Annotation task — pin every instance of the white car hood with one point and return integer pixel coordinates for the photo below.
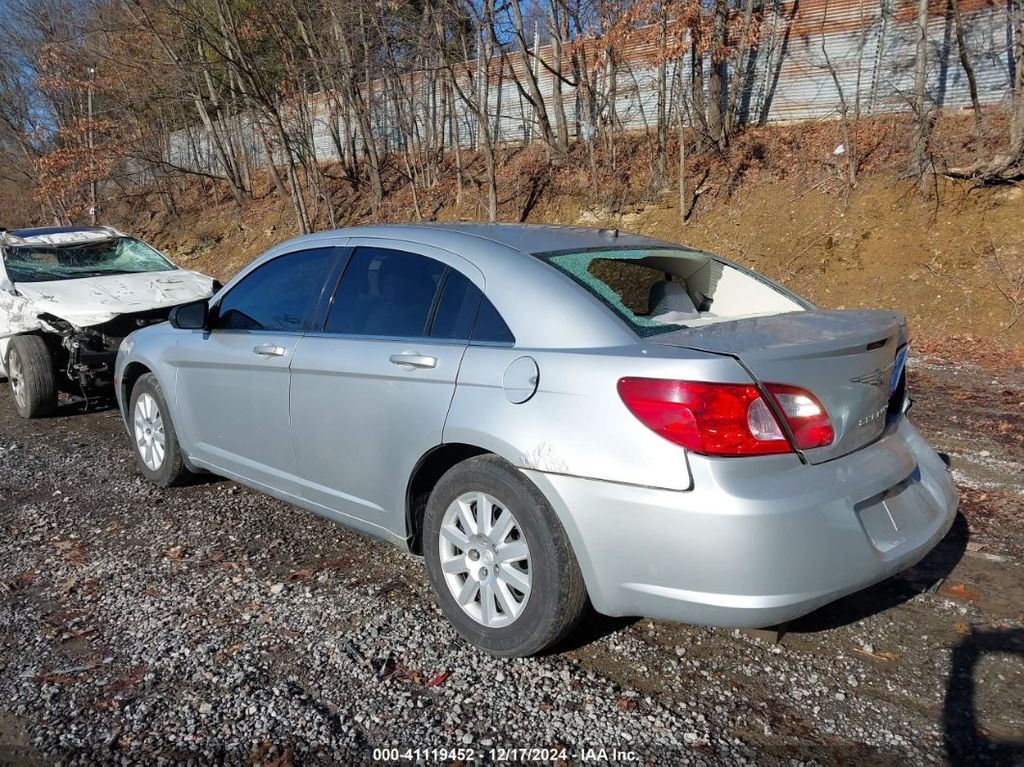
(94, 300)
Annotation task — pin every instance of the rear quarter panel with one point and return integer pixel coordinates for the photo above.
(575, 423)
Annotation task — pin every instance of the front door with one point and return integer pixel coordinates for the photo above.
(233, 381)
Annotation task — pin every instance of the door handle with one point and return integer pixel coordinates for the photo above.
(414, 359)
(269, 350)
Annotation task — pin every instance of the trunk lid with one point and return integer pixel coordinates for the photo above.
(852, 361)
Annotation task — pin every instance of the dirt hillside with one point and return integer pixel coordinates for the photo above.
(952, 259)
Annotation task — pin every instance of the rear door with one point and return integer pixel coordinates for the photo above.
(852, 361)
(371, 390)
(233, 380)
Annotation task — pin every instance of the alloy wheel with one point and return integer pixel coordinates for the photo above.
(149, 431)
(17, 377)
(485, 559)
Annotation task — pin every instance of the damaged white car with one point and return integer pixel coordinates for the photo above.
(68, 296)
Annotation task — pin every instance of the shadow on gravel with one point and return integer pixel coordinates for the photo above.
(201, 478)
(966, 741)
(593, 627)
(79, 406)
(893, 591)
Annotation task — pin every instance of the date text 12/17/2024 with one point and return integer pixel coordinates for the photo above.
(504, 754)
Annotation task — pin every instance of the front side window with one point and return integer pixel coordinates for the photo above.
(279, 296)
(45, 263)
(387, 293)
(658, 290)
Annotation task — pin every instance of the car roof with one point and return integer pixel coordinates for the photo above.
(525, 238)
(44, 231)
(559, 313)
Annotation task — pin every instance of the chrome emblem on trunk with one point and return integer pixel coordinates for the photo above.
(871, 418)
(877, 377)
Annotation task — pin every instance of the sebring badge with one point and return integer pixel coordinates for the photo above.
(872, 417)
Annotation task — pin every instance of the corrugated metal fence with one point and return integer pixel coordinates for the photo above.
(870, 45)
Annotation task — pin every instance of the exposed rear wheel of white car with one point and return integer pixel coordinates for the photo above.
(155, 444)
(31, 376)
(499, 561)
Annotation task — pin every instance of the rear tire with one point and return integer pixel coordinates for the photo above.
(510, 585)
(32, 377)
(154, 441)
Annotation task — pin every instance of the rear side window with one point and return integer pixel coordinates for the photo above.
(456, 309)
(464, 313)
(279, 296)
(385, 293)
(490, 327)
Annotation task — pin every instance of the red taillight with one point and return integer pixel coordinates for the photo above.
(703, 417)
(725, 419)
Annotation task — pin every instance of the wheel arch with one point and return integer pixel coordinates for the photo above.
(7, 341)
(425, 475)
(133, 371)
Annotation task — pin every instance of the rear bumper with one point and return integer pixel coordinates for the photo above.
(757, 541)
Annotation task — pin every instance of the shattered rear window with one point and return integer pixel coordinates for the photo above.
(621, 281)
(45, 263)
(660, 289)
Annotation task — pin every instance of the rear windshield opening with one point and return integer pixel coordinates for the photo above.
(660, 290)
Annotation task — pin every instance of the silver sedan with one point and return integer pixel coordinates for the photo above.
(553, 416)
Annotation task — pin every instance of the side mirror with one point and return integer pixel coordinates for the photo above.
(194, 316)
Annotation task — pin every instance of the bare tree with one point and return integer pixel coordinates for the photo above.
(968, 66)
(922, 111)
(1009, 164)
(719, 73)
(739, 72)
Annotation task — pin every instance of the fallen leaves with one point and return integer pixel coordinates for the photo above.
(440, 679)
(960, 591)
(628, 703)
(72, 551)
(885, 655)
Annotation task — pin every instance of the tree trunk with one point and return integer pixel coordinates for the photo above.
(1017, 125)
(697, 86)
(922, 112)
(736, 80)
(530, 88)
(719, 67)
(965, 62)
(275, 175)
(358, 107)
(662, 118)
(682, 145)
(557, 99)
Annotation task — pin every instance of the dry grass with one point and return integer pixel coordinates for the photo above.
(778, 201)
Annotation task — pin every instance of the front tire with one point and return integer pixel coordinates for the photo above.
(155, 443)
(499, 561)
(32, 377)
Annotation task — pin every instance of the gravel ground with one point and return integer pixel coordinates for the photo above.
(214, 624)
